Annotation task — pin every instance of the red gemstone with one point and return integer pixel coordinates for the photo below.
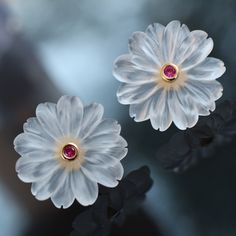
(70, 152)
(170, 71)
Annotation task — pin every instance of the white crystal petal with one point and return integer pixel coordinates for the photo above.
(30, 171)
(155, 32)
(117, 152)
(101, 159)
(160, 115)
(70, 114)
(210, 69)
(106, 126)
(108, 176)
(33, 126)
(203, 106)
(198, 55)
(204, 95)
(104, 141)
(47, 117)
(204, 110)
(85, 190)
(26, 143)
(63, 196)
(40, 188)
(205, 91)
(130, 94)
(128, 72)
(169, 40)
(140, 45)
(182, 35)
(183, 111)
(189, 45)
(43, 188)
(93, 114)
(142, 111)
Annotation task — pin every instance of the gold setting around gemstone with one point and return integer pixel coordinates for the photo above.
(70, 151)
(169, 72)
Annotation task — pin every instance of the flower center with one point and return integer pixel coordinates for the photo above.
(169, 72)
(69, 152)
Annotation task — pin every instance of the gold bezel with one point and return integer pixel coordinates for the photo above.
(64, 157)
(164, 77)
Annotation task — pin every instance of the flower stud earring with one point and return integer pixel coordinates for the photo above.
(67, 149)
(168, 77)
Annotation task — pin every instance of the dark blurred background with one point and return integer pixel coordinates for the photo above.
(53, 47)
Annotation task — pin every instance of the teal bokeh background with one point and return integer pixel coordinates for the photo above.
(50, 48)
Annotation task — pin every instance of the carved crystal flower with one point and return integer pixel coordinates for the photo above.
(67, 149)
(168, 77)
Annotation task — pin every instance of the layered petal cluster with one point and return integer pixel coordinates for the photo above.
(67, 149)
(168, 77)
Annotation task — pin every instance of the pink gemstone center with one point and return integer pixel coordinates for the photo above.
(170, 71)
(70, 152)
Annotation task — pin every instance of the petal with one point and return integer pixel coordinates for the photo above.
(205, 110)
(103, 141)
(26, 143)
(33, 126)
(70, 114)
(128, 72)
(92, 117)
(48, 184)
(85, 190)
(106, 156)
(182, 35)
(63, 196)
(106, 126)
(155, 32)
(40, 189)
(100, 159)
(130, 94)
(160, 114)
(189, 45)
(38, 156)
(105, 176)
(144, 47)
(204, 96)
(210, 69)
(203, 106)
(204, 91)
(198, 55)
(170, 36)
(31, 171)
(182, 109)
(141, 111)
(117, 152)
(47, 117)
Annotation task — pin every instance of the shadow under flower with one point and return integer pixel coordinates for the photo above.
(114, 205)
(187, 148)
